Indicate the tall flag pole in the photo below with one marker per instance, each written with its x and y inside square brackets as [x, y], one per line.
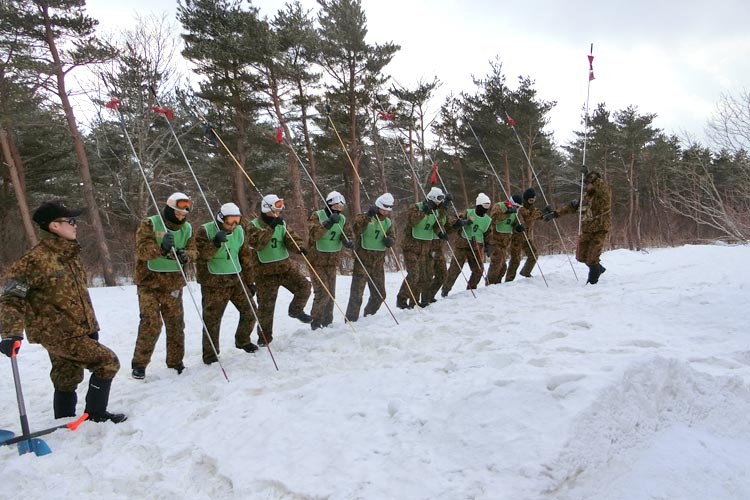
[585, 134]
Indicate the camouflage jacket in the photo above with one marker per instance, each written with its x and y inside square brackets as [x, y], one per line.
[206, 252]
[596, 210]
[415, 215]
[259, 237]
[146, 249]
[358, 228]
[46, 292]
[527, 215]
[317, 231]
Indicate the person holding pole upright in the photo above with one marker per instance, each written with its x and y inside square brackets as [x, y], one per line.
[503, 215]
[272, 239]
[163, 245]
[374, 235]
[524, 244]
[325, 241]
[45, 294]
[223, 260]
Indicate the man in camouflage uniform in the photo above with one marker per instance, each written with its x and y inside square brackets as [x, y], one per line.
[326, 238]
[425, 221]
[373, 235]
[472, 224]
[272, 240]
[224, 265]
[503, 215]
[521, 243]
[437, 268]
[163, 246]
[45, 293]
[596, 222]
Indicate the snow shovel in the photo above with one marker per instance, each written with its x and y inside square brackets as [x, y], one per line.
[27, 443]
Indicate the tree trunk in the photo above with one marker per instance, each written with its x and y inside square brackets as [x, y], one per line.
[308, 142]
[88, 185]
[354, 156]
[15, 180]
[240, 188]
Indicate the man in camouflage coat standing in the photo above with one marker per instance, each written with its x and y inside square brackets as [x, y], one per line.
[528, 214]
[503, 215]
[325, 241]
[374, 236]
[272, 239]
[596, 222]
[161, 253]
[45, 293]
[224, 265]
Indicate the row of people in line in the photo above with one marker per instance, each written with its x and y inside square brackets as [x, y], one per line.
[236, 259]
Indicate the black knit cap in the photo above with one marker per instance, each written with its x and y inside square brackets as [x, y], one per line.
[52, 210]
[528, 194]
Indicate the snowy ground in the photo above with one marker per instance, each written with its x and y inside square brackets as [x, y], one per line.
[636, 388]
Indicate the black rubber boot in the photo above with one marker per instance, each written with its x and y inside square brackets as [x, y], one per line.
[97, 399]
[64, 404]
[594, 273]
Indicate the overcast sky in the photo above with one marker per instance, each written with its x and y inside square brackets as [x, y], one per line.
[672, 58]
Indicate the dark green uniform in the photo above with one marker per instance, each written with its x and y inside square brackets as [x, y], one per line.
[523, 245]
[596, 222]
[469, 248]
[499, 237]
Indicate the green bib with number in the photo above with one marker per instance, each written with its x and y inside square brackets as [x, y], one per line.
[424, 230]
[165, 264]
[221, 263]
[478, 226]
[331, 240]
[506, 225]
[374, 233]
[275, 250]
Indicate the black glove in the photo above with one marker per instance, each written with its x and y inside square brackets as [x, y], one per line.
[167, 243]
[252, 289]
[328, 223]
[372, 211]
[510, 210]
[303, 250]
[221, 237]
[442, 235]
[463, 222]
[94, 336]
[448, 199]
[275, 221]
[574, 204]
[349, 244]
[388, 241]
[550, 215]
[6, 346]
[520, 228]
[584, 171]
[182, 256]
[487, 248]
[427, 207]
[334, 217]
[546, 210]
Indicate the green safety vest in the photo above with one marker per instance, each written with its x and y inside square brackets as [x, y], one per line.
[424, 230]
[275, 250]
[220, 263]
[506, 225]
[331, 240]
[478, 226]
[164, 264]
[373, 235]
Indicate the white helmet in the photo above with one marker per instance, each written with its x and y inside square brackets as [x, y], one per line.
[335, 197]
[180, 202]
[228, 210]
[484, 200]
[385, 202]
[436, 195]
[271, 203]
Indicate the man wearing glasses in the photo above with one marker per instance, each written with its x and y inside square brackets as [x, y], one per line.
[272, 239]
[224, 260]
[164, 244]
[45, 293]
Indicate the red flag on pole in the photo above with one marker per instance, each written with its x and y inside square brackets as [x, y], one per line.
[163, 111]
[434, 175]
[591, 67]
[511, 121]
[113, 103]
[279, 136]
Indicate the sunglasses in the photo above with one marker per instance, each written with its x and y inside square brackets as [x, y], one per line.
[232, 220]
[72, 221]
[183, 205]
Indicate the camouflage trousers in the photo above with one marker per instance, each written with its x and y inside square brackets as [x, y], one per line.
[519, 246]
[71, 356]
[465, 254]
[498, 257]
[214, 302]
[590, 246]
[322, 306]
[159, 307]
[374, 267]
[268, 291]
[436, 270]
[416, 281]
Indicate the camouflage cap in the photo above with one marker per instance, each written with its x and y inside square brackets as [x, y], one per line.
[53, 210]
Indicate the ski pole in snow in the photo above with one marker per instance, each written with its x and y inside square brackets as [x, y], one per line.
[508, 197]
[166, 113]
[359, 179]
[585, 139]
[114, 104]
[512, 125]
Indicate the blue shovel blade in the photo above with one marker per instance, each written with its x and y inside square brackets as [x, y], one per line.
[38, 446]
[6, 435]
